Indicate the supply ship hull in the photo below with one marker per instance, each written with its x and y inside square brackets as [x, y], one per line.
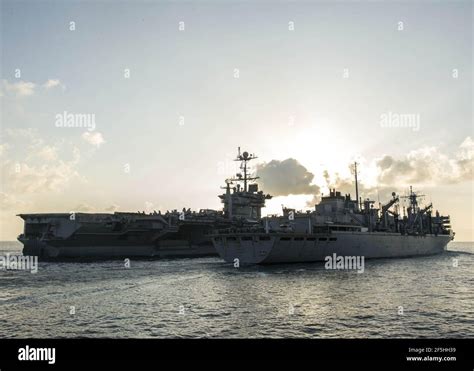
[274, 248]
[342, 226]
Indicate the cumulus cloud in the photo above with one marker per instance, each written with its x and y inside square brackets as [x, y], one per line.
[9, 201]
[37, 147]
[342, 184]
[346, 185]
[3, 148]
[112, 208]
[31, 179]
[52, 83]
[20, 88]
[96, 139]
[29, 133]
[47, 153]
[282, 178]
[85, 208]
[41, 169]
[428, 165]
[27, 88]
[423, 167]
[149, 206]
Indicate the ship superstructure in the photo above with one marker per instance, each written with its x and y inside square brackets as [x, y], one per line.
[243, 200]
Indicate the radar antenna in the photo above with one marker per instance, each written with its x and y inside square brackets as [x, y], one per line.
[244, 158]
[413, 199]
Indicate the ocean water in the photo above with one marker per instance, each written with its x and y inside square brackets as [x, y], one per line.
[207, 298]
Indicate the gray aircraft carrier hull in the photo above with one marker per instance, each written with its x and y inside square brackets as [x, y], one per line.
[281, 248]
[64, 251]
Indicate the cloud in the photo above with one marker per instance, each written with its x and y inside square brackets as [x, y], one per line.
[423, 167]
[428, 166]
[37, 147]
[52, 83]
[112, 208]
[20, 88]
[40, 169]
[47, 153]
[9, 201]
[96, 139]
[85, 208]
[282, 178]
[27, 88]
[346, 185]
[149, 206]
[3, 148]
[28, 133]
[27, 178]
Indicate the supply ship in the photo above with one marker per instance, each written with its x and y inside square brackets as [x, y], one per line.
[339, 225]
[173, 234]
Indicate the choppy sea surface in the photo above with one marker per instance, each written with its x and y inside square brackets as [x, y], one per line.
[417, 297]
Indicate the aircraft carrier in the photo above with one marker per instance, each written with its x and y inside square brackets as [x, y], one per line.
[342, 226]
[177, 234]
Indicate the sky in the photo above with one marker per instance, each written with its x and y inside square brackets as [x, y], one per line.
[173, 88]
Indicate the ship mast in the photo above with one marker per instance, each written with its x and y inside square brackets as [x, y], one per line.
[356, 184]
[412, 197]
[244, 158]
[247, 201]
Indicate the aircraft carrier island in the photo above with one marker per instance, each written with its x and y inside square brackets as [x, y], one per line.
[173, 234]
